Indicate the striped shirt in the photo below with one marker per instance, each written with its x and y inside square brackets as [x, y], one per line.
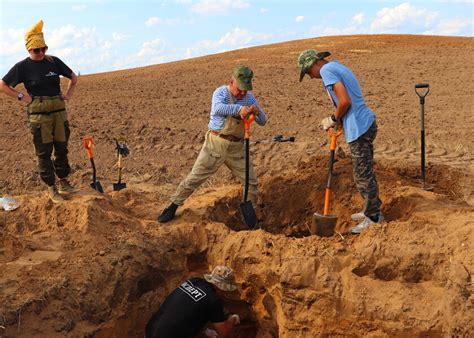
[221, 108]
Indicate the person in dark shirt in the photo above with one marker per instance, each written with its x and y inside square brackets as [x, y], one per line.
[45, 105]
[193, 304]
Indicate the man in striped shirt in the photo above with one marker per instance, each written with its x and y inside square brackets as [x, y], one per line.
[231, 104]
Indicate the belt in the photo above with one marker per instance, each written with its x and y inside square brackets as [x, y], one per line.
[47, 112]
[46, 97]
[231, 138]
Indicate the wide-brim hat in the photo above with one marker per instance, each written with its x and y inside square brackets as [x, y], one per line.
[222, 277]
[307, 58]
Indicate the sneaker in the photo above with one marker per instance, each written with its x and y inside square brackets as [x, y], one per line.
[168, 214]
[358, 216]
[64, 186]
[362, 225]
[53, 194]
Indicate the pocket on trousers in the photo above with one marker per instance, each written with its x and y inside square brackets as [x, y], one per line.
[67, 131]
[210, 159]
[35, 129]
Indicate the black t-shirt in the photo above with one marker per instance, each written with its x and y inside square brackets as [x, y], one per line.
[41, 78]
[186, 310]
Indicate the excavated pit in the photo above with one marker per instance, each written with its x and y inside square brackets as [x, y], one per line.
[277, 297]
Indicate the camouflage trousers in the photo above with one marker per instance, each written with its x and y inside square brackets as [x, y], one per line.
[362, 153]
[49, 126]
[214, 153]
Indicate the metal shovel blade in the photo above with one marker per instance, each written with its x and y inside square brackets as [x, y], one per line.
[119, 186]
[248, 213]
[97, 186]
[323, 226]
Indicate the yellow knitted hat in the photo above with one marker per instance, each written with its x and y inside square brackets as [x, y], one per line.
[34, 36]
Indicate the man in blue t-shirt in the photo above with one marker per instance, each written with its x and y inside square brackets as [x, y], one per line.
[192, 305]
[358, 121]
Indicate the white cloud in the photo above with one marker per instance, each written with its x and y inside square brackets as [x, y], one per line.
[235, 39]
[78, 8]
[390, 19]
[153, 21]
[149, 48]
[451, 26]
[119, 37]
[263, 10]
[242, 37]
[219, 6]
[12, 42]
[150, 53]
[358, 19]
[299, 18]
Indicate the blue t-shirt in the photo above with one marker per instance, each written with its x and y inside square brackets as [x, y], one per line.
[358, 118]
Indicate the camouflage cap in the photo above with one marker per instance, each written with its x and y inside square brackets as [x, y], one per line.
[307, 58]
[243, 75]
[222, 277]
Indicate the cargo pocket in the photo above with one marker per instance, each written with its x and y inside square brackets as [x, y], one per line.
[67, 131]
[35, 129]
[209, 159]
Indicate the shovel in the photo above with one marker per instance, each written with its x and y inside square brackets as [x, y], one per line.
[323, 225]
[88, 145]
[422, 89]
[122, 151]
[246, 207]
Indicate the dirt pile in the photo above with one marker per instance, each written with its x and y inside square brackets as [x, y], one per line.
[100, 265]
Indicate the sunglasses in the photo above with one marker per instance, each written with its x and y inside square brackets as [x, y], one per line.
[38, 50]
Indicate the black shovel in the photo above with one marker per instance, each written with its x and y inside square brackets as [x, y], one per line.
[422, 89]
[246, 207]
[95, 184]
[122, 151]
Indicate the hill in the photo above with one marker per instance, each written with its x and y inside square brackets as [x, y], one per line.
[100, 265]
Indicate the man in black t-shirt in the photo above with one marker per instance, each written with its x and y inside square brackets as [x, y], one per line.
[185, 312]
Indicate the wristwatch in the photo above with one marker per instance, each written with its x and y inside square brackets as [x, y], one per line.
[20, 96]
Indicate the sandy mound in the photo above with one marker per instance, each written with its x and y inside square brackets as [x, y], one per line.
[100, 265]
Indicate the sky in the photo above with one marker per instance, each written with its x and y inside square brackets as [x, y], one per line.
[95, 36]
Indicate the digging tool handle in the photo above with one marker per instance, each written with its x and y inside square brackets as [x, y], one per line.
[327, 193]
[247, 123]
[333, 135]
[88, 145]
[422, 94]
[120, 168]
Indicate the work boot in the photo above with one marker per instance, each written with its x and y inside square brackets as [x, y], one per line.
[168, 214]
[53, 194]
[64, 186]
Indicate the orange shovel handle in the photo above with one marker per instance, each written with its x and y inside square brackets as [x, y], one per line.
[88, 145]
[333, 135]
[327, 197]
[247, 121]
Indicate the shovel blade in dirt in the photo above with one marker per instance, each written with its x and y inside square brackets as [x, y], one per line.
[97, 186]
[119, 186]
[323, 226]
[248, 214]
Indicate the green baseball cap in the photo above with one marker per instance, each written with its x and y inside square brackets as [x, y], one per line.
[307, 58]
[243, 75]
